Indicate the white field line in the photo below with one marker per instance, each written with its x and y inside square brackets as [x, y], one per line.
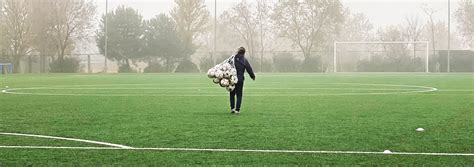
[64, 138]
[419, 89]
[457, 90]
[239, 150]
[214, 95]
[196, 88]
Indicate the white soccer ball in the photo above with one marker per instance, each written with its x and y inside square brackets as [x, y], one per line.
[230, 88]
[234, 80]
[219, 74]
[227, 74]
[233, 72]
[6, 87]
[224, 82]
[227, 66]
[211, 73]
[4, 91]
[222, 67]
[420, 129]
[216, 80]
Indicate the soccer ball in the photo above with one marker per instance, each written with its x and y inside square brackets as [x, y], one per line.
[216, 80]
[219, 74]
[230, 88]
[234, 80]
[227, 66]
[222, 67]
[224, 82]
[4, 91]
[227, 74]
[211, 73]
[233, 71]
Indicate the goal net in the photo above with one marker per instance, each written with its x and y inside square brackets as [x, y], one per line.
[395, 56]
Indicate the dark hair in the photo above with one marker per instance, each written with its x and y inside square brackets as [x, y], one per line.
[241, 50]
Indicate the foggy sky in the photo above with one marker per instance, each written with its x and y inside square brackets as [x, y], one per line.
[379, 12]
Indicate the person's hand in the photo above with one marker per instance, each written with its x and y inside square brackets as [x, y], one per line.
[253, 78]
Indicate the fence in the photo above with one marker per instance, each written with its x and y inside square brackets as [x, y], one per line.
[269, 61]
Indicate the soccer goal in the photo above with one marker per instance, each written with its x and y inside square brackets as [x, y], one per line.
[6, 68]
[393, 56]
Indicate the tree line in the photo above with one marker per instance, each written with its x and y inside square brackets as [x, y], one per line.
[168, 42]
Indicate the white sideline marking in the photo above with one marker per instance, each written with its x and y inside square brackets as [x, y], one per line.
[238, 150]
[64, 138]
[458, 90]
[192, 88]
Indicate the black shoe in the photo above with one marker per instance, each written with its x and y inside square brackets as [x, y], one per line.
[232, 111]
[237, 112]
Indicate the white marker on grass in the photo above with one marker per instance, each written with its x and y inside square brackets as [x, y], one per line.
[387, 152]
[420, 129]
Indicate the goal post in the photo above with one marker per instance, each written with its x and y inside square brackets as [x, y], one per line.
[338, 44]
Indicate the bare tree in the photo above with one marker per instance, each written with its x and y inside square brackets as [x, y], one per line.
[263, 12]
[356, 27]
[16, 15]
[413, 29]
[430, 13]
[465, 17]
[243, 20]
[2, 33]
[42, 41]
[307, 22]
[395, 55]
[69, 22]
[191, 19]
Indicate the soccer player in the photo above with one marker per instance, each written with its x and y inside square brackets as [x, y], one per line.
[241, 64]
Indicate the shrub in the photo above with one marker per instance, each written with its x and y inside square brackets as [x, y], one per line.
[67, 65]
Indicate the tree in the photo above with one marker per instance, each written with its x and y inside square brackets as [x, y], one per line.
[430, 13]
[162, 41]
[252, 24]
[465, 17]
[395, 57]
[125, 36]
[307, 23]
[413, 30]
[440, 33]
[191, 18]
[356, 27]
[263, 13]
[69, 22]
[2, 33]
[243, 20]
[16, 16]
[42, 40]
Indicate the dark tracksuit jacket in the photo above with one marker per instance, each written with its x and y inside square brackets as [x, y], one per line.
[241, 65]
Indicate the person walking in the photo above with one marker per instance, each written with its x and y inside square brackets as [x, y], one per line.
[241, 65]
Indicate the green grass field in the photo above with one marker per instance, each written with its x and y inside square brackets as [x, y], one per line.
[367, 112]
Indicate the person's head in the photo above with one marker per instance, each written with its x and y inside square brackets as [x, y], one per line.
[241, 51]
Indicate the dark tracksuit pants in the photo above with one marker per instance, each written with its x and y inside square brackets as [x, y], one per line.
[237, 91]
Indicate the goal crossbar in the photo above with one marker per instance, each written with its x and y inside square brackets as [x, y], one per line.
[383, 42]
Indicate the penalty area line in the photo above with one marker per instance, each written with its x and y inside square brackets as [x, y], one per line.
[238, 150]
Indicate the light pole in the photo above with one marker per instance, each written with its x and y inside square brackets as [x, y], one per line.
[449, 35]
[215, 32]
